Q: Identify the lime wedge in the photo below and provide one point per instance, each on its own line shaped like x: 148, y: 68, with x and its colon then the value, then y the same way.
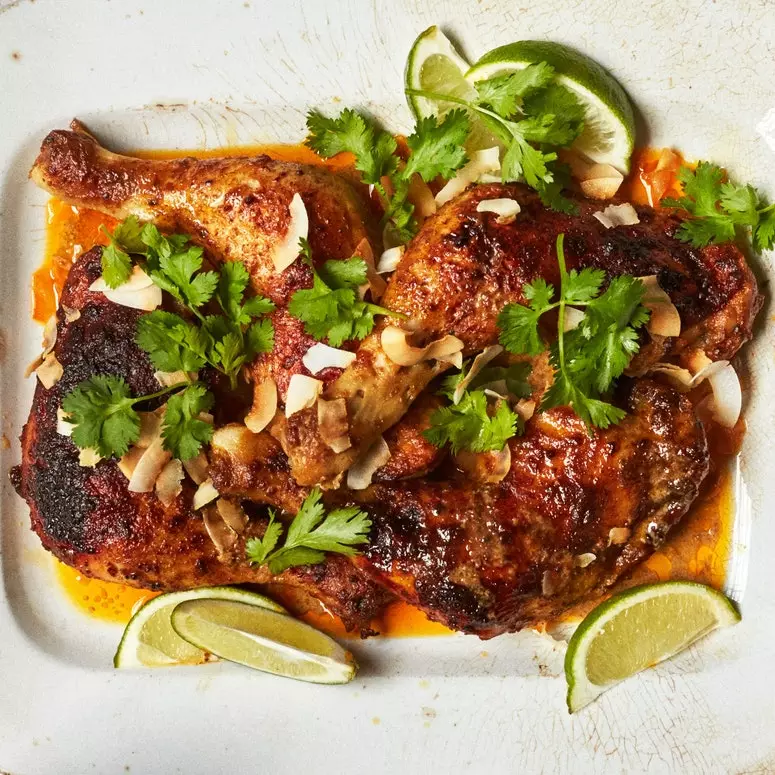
x: 150, y: 641
x: 435, y: 66
x: 263, y: 639
x: 638, y: 629
x: 609, y: 128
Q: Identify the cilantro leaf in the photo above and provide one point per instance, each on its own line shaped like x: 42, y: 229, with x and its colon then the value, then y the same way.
x: 172, y: 343
x: 182, y: 429
x: 259, y: 338
x: 719, y: 208
x: 232, y: 283
x: 101, y: 410
x: 128, y: 234
x: 259, y: 549
x: 588, y: 359
x: 437, y: 147
x: 179, y: 269
x: 116, y: 263
x: 469, y: 425
x: 505, y: 93
x: 332, y: 309
x: 518, y: 324
x: 373, y: 150
x: 311, y: 533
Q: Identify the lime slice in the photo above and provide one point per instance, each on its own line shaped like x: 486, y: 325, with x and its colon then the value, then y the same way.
x: 263, y: 639
x: 609, y: 129
x: 638, y: 629
x: 435, y: 66
x: 150, y: 641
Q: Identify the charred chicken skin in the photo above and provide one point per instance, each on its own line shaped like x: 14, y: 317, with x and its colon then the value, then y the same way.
x: 482, y: 558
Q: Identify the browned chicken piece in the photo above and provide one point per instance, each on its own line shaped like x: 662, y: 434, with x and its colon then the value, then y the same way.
x: 88, y: 518
x: 464, y: 266
x: 574, y: 513
x: 236, y: 207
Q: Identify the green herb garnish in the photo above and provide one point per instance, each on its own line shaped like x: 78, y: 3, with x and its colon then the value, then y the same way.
x: 436, y: 149
x: 719, y: 209
x: 101, y: 407
x: 311, y: 533
x: 332, y: 308
x: 588, y: 359
x: 532, y: 115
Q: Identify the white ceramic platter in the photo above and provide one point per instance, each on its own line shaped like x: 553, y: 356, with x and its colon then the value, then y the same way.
x: 182, y: 74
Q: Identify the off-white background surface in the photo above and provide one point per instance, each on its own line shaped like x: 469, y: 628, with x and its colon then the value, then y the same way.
x: 233, y: 71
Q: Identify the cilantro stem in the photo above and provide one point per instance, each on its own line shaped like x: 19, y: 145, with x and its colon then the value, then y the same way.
x: 377, y: 310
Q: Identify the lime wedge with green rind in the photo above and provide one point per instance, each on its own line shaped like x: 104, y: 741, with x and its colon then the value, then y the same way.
x: 264, y: 640
x: 150, y: 641
x: 637, y: 629
x: 609, y: 132
x: 434, y: 65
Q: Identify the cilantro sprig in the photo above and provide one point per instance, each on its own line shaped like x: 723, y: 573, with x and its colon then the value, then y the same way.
x: 332, y: 309
x: 436, y: 149
x: 532, y: 115
x: 720, y: 208
x: 588, y: 359
x: 470, y: 424
x: 102, y: 409
x: 311, y: 533
x: 103, y: 412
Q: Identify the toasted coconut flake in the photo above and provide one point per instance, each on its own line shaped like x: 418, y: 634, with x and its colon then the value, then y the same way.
x: 498, y: 396
x: 481, y: 162
x: 456, y: 359
x: 71, y: 314
x: 232, y: 514
x: 727, y: 395
x: 617, y: 215
x: 599, y: 181
x: 618, y: 535
x: 361, y: 472
x: 421, y: 196
x: 390, y: 259
x: 525, y: 408
x: 33, y: 365
x: 128, y: 462
x: 333, y: 424
x: 223, y: 537
x: 303, y: 391
x: 397, y: 348
x: 89, y: 457
x: 170, y: 378
x: 320, y: 356
x: 49, y: 335
x: 150, y: 428
x: 206, y: 493
x: 64, y: 427
x: 287, y: 250
x: 601, y: 188
x: 149, y: 467
x: 197, y: 468
x: 376, y: 285
x: 680, y: 377
x: 485, y: 467
x: 572, y: 318
x: 168, y: 483
x: 479, y: 363
x: 583, y: 560
x: 664, y: 320
x: 548, y: 583
x: 505, y: 209
x: 264, y: 406
x: 50, y: 371
x: 138, y: 292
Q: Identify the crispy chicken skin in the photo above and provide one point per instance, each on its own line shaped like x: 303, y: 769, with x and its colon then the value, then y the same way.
x: 464, y: 266
x: 484, y: 559
x: 498, y: 558
x: 88, y: 518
